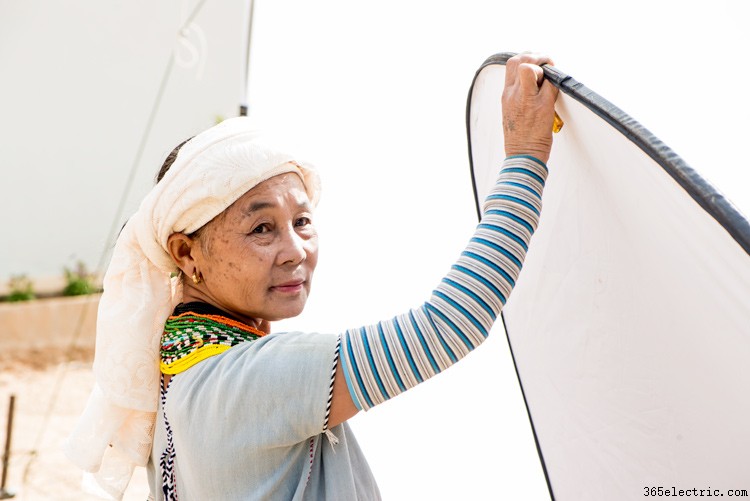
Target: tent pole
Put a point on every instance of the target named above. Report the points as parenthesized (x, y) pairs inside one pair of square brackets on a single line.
[(249, 37)]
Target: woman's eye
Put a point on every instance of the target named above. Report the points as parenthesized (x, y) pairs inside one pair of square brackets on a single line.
[(303, 221), (261, 228)]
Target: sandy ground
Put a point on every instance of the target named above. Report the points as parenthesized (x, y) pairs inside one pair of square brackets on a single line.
[(49, 396)]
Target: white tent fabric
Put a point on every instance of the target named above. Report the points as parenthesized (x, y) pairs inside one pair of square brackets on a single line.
[(94, 96), (630, 323)]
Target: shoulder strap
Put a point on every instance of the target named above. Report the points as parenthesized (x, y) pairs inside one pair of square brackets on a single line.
[(166, 461)]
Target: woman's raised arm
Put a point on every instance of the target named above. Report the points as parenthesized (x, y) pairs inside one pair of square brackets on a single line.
[(380, 361)]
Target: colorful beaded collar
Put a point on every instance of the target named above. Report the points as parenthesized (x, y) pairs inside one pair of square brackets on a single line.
[(197, 331)]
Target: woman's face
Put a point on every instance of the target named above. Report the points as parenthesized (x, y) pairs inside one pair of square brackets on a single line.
[(257, 258)]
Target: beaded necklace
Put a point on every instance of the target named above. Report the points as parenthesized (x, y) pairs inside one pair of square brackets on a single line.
[(196, 332)]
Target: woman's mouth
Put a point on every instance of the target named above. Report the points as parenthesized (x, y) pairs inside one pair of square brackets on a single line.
[(289, 287)]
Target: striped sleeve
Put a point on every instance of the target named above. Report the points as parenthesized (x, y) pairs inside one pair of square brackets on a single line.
[(382, 360)]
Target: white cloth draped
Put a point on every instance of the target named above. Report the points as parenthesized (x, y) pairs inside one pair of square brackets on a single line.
[(211, 172)]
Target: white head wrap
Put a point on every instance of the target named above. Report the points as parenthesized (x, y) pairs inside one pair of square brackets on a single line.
[(211, 171)]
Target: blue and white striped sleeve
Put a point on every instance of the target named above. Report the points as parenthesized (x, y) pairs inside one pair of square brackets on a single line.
[(382, 360)]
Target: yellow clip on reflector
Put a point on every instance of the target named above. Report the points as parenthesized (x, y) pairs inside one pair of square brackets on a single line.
[(557, 124)]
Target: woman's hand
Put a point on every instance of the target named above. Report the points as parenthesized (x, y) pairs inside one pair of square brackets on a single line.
[(528, 107)]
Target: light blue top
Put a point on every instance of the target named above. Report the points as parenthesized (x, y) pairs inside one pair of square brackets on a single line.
[(248, 424)]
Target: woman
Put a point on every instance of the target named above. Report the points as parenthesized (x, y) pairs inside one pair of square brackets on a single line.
[(244, 414)]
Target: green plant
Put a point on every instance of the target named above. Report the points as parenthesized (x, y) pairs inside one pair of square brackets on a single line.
[(78, 281), (21, 288)]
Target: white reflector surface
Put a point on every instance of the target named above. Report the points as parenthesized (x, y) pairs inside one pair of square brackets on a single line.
[(630, 323)]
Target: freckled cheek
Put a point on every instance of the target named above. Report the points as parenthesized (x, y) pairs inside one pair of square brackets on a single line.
[(254, 266), (234, 266), (222, 270)]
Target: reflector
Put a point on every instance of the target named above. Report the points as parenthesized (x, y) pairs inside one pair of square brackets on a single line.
[(630, 322)]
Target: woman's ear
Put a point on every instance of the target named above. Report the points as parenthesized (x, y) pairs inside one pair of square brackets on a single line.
[(180, 248)]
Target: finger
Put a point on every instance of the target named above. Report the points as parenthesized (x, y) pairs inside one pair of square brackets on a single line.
[(531, 77), (533, 58), (549, 90)]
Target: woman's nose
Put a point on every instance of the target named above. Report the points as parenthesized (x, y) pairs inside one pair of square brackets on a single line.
[(292, 248)]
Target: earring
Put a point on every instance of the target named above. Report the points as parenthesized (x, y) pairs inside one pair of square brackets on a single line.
[(197, 278)]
